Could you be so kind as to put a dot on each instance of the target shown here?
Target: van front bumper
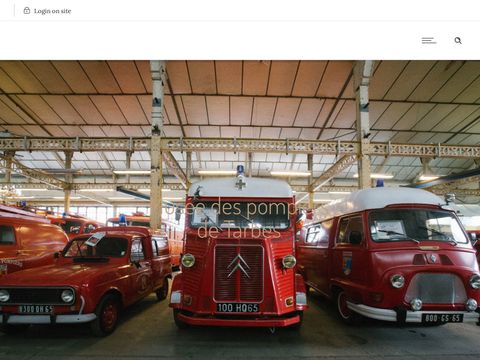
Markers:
(411, 316)
(8, 319)
(269, 323)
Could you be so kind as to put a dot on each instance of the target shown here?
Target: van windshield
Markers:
(247, 215)
(415, 225)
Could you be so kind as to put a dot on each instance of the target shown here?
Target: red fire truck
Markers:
(238, 265)
(394, 255)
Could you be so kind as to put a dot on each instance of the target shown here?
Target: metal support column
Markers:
(362, 72)
(249, 164)
(68, 180)
(310, 181)
(158, 73)
(8, 168)
(426, 169)
(188, 170)
(128, 163)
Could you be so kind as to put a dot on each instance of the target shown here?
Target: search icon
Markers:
(458, 40)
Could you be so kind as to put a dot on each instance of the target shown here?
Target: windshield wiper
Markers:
(79, 250)
(100, 259)
(211, 220)
(450, 239)
(404, 237)
(249, 220)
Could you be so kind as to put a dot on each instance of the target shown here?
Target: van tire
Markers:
(107, 311)
(180, 324)
(162, 293)
(298, 325)
(13, 329)
(348, 316)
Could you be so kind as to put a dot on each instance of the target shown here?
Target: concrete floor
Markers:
(147, 331)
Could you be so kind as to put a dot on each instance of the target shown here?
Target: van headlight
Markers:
(475, 281)
(188, 260)
(289, 261)
(397, 281)
(4, 296)
(67, 296)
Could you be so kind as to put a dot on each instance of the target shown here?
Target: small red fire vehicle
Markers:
(238, 267)
(93, 278)
(173, 230)
(392, 254)
(27, 240)
(74, 225)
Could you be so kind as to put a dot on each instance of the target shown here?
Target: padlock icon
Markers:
(26, 11)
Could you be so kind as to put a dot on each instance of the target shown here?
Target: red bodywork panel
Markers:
(364, 271)
(27, 241)
(91, 280)
(211, 282)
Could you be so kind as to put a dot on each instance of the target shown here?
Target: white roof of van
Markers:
(255, 188)
(376, 198)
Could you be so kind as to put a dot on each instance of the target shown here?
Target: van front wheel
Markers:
(346, 315)
(298, 325)
(162, 293)
(180, 324)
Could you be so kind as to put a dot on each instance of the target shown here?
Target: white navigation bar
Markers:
(248, 29)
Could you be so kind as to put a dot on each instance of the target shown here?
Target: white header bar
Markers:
(247, 29)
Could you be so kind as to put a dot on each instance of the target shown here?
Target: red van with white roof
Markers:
(393, 254)
(27, 240)
(238, 266)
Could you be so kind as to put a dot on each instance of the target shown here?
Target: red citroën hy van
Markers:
(238, 264)
(392, 254)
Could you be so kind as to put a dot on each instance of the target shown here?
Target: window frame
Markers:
(14, 236)
(349, 218)
(140, 240)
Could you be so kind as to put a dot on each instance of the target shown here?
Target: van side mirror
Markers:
(136, 263)
(355, 237)
(473, 238)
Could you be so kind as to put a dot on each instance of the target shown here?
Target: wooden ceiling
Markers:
(411, 102)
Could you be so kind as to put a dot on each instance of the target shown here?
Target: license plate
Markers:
(237, 308)
(35, 309)
(442, 318)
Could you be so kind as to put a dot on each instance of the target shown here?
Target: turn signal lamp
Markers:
(471, 305)
(416, 304)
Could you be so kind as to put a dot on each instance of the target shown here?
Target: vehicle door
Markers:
(161, 265)
(350, 261)
(314, 255)
(8, 246)
(141, 277)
